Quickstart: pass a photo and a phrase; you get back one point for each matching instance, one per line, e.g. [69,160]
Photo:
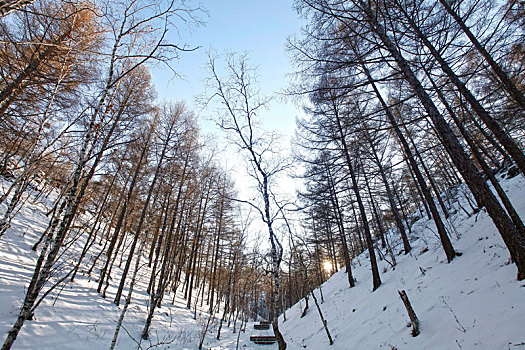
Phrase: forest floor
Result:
[75,316]
[474,302]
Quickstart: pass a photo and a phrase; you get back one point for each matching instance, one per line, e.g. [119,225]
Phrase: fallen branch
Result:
[413,318]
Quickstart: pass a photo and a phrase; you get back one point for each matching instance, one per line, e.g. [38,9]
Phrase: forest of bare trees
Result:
[127,177]
[407,103]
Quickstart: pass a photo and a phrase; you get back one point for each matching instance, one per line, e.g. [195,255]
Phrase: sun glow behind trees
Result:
[328,267]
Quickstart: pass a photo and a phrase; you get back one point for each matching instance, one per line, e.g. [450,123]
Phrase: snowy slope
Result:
[475,302]
[77,317]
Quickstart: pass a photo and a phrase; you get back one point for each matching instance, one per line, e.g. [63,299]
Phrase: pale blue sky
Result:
[259,27]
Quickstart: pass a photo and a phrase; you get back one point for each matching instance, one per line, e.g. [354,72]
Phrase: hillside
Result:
[475,302]
[297,174]
[75,316]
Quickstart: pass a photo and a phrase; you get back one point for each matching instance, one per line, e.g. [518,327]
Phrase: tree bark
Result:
[7,6]
[442,232]
[506,141]
[515,243]
[504,78]
[411,313]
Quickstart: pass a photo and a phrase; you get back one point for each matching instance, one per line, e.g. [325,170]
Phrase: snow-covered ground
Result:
[475,302]
[77,317]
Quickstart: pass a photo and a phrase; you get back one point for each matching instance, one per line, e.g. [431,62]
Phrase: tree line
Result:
[408,105]
[123,176]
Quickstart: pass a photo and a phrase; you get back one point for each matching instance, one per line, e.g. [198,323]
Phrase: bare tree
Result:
[134,44]
[7,6]
[240,100]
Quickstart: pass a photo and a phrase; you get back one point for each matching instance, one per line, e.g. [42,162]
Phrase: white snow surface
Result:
[474,302]
[75,316]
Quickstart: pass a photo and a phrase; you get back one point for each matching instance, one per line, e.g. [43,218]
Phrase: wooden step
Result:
[265,322]
[261,326]
[263,339]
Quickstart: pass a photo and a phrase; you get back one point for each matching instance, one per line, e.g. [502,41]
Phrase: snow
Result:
[474,302]
[75,316]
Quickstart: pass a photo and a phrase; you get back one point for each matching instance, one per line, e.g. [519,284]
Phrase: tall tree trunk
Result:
[276,254]
[376,280]
[428,174]
[515,243]
[200,226]
[156,295]
[123,210]
[385,243]
[43,269]
[442,232]
[128,297]
[339,219]
[506,141]
[477,155]
[215,257]
[392,202]
[139,227]
[95,227]
[504,78]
